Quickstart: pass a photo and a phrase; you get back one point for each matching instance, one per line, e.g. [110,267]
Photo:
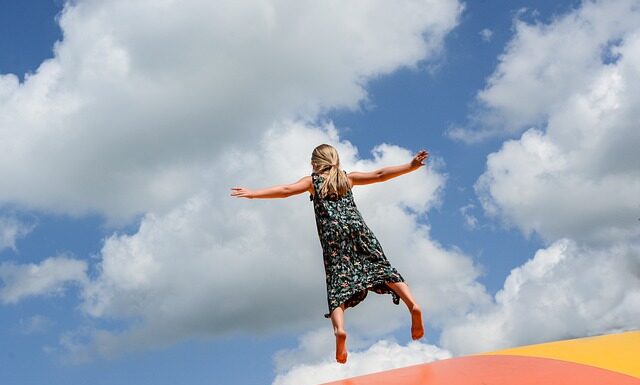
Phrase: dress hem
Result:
[359,295]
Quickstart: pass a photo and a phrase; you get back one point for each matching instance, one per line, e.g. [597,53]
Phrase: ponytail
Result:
[336,184]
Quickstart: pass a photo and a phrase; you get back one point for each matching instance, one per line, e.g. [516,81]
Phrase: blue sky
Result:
[539,206]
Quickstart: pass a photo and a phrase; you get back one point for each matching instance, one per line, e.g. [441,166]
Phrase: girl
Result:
[354,261]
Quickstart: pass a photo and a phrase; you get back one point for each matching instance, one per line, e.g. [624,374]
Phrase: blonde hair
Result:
[325,158]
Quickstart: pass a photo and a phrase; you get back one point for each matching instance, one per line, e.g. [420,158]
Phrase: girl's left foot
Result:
[417,326]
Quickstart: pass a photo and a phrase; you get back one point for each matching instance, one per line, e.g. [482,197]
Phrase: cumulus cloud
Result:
[556,189]
[49,277]
[577,175]
[12,229]
[217,264]
[566,290]
[545,66]
[313,362]
[140,97]
[573,178]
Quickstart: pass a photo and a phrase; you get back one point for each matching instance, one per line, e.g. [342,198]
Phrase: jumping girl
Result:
[354,261]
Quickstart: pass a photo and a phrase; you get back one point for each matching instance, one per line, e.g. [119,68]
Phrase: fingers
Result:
[238,192]
[421,156]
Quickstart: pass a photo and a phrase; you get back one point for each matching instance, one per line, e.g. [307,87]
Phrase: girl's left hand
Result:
[241,192]
[419,158]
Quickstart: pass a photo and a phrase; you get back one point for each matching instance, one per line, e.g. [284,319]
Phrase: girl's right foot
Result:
[341,346]
[417,326]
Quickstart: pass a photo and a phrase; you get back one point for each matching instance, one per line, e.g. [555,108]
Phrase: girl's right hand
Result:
[419,158]
[241,192]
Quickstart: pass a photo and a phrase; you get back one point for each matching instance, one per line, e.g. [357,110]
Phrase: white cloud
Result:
[545,66]
[470,220]
[12,229]
[579,175]
[486,35]
[218,264]
[557,191]
[49,277]
[573,178]
[140,97]
[564,291]
[313,362]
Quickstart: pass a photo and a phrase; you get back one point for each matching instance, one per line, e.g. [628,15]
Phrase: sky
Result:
[123,126]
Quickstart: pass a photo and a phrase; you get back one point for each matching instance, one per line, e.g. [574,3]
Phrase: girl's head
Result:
[325,160]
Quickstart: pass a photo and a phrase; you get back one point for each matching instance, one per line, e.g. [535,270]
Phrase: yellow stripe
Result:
[616,352]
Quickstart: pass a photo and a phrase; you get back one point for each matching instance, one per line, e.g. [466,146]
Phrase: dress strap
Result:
[313,178]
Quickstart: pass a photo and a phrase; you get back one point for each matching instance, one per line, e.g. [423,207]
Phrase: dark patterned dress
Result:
[354,261]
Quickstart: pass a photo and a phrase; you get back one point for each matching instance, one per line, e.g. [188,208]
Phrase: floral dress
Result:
[354,261]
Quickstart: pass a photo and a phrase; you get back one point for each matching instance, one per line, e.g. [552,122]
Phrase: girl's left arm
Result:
[280,191]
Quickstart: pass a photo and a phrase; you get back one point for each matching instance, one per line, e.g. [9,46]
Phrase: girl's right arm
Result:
[389,172]
[280,191]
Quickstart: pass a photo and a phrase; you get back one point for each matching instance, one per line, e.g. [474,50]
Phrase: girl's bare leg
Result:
[337,319]
[417,325]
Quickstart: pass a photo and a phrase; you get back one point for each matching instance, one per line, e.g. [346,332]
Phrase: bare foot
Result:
[341,346]
[417,326]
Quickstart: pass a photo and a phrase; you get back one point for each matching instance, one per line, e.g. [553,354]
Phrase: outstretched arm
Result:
[386,173]
[280,191]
